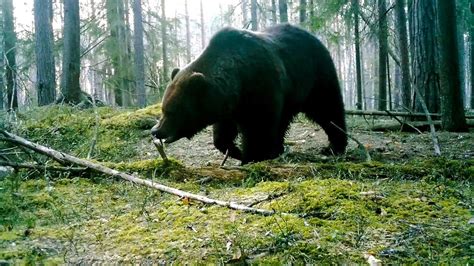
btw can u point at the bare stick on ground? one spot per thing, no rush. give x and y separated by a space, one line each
42 167
360 145
434 138
66 158
160 147
402 123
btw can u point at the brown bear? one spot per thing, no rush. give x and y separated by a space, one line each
253 84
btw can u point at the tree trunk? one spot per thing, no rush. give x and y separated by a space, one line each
139 57
403 46
302 12
70 87
471 35
45 67
188 33
274 12
452 109
164 42
203 29
355 13
311 15
383 54
283 9
119 52
253 13
2 65
9 38
425 68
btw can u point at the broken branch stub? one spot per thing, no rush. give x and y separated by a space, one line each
160 147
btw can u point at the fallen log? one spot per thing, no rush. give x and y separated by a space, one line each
64 158
399 114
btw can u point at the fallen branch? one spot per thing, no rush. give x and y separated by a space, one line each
360 145
42 167
402 123
66 158
398 114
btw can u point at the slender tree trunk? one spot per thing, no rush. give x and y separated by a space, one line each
45 66
9 38
245 16
253 13
203 28
383 54
164 42
452 109
311 15
283 9
302 12
274 12
188 33
70 87
471 36
2 56
355 13
139 57
403 45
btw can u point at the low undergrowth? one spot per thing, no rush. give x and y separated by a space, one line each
329 211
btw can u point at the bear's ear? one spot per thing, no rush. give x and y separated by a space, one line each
174 72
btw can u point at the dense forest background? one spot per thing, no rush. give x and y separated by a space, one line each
121 52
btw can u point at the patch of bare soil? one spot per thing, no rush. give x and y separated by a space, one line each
305 141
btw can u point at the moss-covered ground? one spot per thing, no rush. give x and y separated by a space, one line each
404 207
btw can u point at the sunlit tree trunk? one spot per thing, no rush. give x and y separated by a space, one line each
188 33
45 67
139 57
274 12
452 109
203 29
164 42
283 10
2 55
404 56
302 12
355 11
471 35
9 38
383 54
253 13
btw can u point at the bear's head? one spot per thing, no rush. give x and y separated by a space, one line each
186 109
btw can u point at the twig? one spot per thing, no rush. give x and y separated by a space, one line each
42 167
434 138
66 158
360 145
403 123
267 198
225 157
160 147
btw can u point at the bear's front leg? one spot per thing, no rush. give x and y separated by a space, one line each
261 141
224 134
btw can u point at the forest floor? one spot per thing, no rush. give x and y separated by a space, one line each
404 206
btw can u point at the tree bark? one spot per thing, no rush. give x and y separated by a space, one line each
425 68
2 55
203 29
355 13
9 38
302 12
452 109
283 10
404 55
45 66
253 13
164 42
274 12
70 87
139 57
383 54
188 33
471 35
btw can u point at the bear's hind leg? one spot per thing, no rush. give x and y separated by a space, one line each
224 134
327 117
261 142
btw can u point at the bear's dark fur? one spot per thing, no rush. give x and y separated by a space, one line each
254 83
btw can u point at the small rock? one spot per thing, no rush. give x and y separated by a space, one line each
5 171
